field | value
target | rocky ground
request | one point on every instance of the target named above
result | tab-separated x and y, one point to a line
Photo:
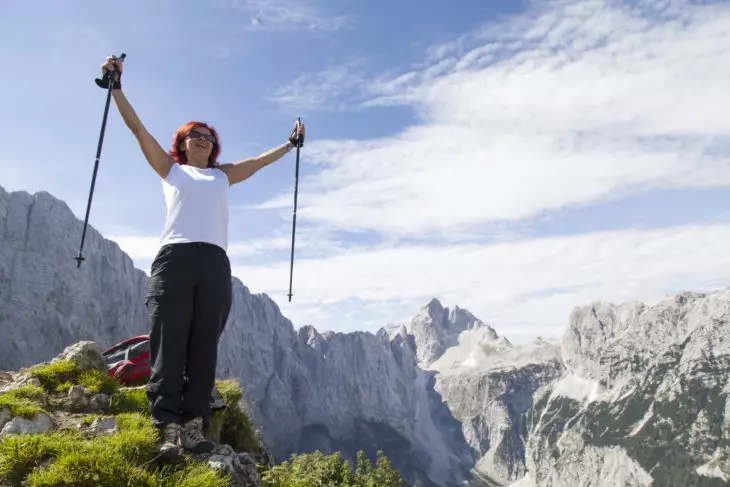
65	422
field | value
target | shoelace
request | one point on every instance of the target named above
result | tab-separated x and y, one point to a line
194	434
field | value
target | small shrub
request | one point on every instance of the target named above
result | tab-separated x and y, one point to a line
316	468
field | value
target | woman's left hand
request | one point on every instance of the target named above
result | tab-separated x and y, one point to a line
297	133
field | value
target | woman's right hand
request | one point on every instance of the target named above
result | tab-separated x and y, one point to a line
111	63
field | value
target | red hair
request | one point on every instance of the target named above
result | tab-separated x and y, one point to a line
180	156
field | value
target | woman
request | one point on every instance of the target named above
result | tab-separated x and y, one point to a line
189	295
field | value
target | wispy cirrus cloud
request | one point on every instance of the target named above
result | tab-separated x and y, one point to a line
567	106
570	104
290	14
330	89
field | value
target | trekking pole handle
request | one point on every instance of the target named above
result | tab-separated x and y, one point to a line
104	81
298	138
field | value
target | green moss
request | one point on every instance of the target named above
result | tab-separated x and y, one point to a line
54	376
90	418
63	388
98	382
23	401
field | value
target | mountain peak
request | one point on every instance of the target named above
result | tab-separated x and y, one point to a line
437	328
434	306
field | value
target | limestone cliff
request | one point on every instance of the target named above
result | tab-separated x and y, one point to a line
633	395
46	302
645	398
306	391
488	384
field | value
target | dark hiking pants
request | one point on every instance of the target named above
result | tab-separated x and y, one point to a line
188	302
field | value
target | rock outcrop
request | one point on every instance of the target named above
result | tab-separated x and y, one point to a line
44	410
46	302
645	398
487	383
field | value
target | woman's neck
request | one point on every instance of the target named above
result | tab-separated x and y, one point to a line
198	164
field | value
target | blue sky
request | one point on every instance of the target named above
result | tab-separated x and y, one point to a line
512	158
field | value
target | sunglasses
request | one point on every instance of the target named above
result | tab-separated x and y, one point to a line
195	134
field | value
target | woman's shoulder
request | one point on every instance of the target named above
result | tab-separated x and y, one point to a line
220	169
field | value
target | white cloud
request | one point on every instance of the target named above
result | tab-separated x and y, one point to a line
330	89
281	14
575	104
571	104
309	242
524	287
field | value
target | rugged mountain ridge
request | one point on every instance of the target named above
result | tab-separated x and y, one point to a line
46	303
645	398
486	382
336	391
443	395
306	390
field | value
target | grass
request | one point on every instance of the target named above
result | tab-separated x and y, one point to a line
232	425
65	458
128	457
129	400
23	401
61	375
68	457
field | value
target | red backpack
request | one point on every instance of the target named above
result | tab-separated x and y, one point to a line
129	362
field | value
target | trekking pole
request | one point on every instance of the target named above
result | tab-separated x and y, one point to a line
108	83
300	142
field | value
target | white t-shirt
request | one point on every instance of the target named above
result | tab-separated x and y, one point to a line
197	206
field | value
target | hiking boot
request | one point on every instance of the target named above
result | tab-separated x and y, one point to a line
169	437
192	439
